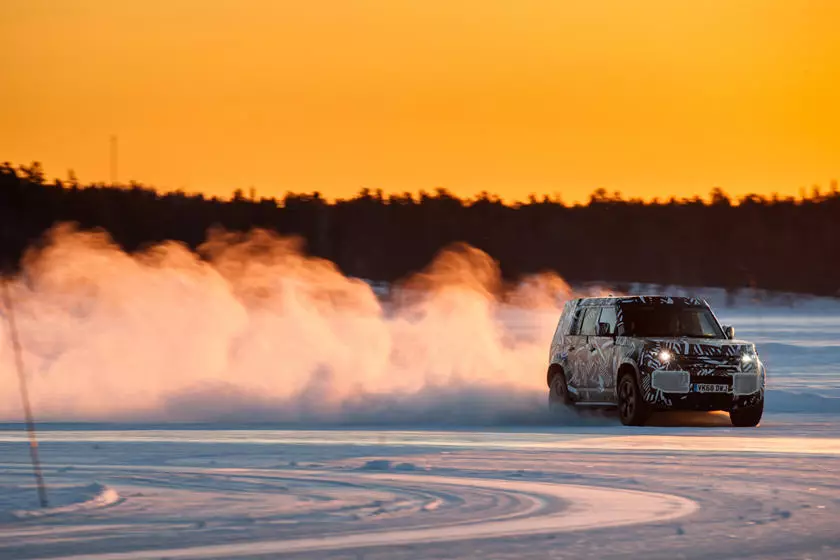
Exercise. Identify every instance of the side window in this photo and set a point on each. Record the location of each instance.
(607, 318)
(590, 320)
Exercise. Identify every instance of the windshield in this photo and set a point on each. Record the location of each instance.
(670, 321)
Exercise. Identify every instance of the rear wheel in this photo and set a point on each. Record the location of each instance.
(747, 417)
(558, 392)
(632, 408)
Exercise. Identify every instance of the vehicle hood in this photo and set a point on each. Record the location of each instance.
(702, 346)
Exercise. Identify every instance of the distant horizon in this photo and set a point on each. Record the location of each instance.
(803, 194)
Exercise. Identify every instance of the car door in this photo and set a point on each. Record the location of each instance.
(601, 346)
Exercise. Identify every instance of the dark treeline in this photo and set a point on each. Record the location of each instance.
(775, 244)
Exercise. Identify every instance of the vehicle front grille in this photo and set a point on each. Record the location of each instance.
(709, 363)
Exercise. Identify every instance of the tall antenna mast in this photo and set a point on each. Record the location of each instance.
(113, 159)
(24, 395)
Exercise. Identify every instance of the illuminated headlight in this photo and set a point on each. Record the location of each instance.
(749, 362)
(665, 356)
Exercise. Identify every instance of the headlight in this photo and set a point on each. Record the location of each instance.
(749, 361)
(665, 356)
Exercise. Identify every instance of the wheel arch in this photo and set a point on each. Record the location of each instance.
(553, 369)
(624, 368)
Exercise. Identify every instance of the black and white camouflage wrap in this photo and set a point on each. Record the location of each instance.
(592, 365)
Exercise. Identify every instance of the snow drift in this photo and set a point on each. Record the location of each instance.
(18, 502)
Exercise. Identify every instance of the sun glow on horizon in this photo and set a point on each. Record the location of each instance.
(652, 99)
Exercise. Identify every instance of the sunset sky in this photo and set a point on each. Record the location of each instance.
(649, 97)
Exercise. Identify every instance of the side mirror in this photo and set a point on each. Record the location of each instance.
(729, 331)
(604, 329)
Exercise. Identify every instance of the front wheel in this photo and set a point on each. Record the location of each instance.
(632, 408)
(747, 417)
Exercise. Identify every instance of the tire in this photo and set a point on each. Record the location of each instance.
(632, 408)
(747, 417)
(558, 393)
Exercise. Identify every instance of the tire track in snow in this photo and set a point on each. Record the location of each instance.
(590, 507)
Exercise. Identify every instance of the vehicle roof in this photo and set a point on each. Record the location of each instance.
(647, 299)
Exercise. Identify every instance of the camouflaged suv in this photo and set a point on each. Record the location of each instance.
(646, 353)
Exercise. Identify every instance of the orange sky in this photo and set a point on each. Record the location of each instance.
(649, 97)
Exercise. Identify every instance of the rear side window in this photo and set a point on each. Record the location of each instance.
(590, 322)
(608, 317)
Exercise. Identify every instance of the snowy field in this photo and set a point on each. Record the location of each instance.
(577, 486)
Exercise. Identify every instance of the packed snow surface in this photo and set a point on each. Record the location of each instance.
(700, 490)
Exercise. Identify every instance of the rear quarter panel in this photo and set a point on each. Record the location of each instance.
(558, 342)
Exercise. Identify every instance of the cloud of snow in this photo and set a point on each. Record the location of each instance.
(250, 328)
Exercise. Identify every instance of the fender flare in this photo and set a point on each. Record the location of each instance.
(553, 367)
(631, 364)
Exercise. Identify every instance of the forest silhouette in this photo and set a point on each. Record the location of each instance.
(780, 244)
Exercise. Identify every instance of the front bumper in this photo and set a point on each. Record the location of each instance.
(679, 381)
(706, 401)
(675, 389)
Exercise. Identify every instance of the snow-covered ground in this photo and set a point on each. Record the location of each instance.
(581, 486)
(602, 492)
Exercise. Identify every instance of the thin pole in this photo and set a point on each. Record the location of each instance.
(24, 395)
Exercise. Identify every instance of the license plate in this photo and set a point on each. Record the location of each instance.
(710, 388)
